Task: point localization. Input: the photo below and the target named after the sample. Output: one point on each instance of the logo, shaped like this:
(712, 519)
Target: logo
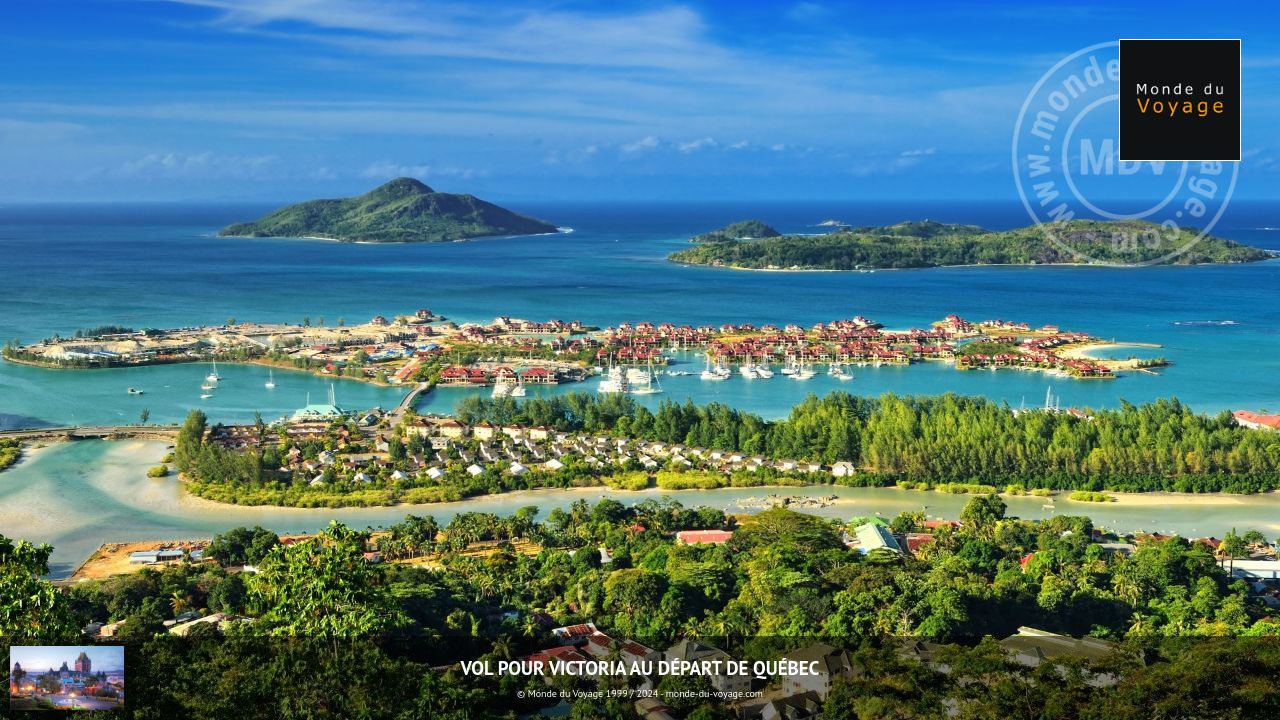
(1067, 167)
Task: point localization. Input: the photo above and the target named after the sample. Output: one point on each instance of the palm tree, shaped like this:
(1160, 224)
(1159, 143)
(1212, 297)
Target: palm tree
(179, 603)
(502, 647)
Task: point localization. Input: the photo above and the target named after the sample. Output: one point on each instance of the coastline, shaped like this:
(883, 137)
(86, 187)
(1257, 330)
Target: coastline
(1114, 266)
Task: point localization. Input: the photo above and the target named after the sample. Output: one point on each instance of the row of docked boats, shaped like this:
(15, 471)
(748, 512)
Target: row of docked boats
(753, 371)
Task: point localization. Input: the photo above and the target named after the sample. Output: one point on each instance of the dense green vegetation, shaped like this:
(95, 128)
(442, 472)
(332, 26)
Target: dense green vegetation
(1189, 639)
(1157, 446)
(932, 244)
(402, 210)
(949, 444)
(10, 451)
(744, 230)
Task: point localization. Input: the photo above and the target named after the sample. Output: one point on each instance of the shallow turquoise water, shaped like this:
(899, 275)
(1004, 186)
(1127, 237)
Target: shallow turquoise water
(79, 495)
(76, 267)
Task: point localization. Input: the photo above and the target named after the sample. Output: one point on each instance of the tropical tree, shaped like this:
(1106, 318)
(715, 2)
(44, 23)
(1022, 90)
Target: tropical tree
(323, 587)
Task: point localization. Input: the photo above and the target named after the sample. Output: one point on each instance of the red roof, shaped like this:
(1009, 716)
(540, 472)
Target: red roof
(934, 524)
(567, 653)
(702, 537)
(1271, 421)
(915, 541)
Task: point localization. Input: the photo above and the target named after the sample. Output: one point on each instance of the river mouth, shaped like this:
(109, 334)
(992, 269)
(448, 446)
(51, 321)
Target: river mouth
(78, 495)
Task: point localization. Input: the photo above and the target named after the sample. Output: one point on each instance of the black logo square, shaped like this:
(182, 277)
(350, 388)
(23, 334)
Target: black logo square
(1179, 100)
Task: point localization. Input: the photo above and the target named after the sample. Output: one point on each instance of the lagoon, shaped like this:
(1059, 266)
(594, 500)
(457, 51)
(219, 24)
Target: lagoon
(79, 495)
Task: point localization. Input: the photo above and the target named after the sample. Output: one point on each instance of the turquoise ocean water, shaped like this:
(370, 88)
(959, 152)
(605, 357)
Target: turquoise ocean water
(70, 267)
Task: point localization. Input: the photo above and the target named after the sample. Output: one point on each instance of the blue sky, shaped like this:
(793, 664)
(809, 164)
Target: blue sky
(40, 659)
(286, 99)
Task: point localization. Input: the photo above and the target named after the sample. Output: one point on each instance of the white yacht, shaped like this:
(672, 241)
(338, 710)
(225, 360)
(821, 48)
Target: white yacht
(501, 388)
(271, 380)
(615, 382)
(648, 386)
(213, 375)
(802, 372)
(636, 376)
(763, 372)
(719, 372)
(518, 390)
(837, 372)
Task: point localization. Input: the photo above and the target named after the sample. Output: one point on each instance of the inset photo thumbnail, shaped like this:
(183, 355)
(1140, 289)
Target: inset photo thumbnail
(66, 677)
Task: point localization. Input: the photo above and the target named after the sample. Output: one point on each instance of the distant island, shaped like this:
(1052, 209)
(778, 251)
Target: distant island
(923, 244)
(402, 210)
(744, 230)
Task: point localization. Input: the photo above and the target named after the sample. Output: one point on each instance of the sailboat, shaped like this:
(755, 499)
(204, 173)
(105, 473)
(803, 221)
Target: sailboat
(271, 380)
(717, 373)
(837, 372)
(213, 375)
(518, 390)
(647, 386)
(802, 372)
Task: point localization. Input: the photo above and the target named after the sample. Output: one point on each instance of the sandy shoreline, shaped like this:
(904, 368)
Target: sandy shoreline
(1152, 499)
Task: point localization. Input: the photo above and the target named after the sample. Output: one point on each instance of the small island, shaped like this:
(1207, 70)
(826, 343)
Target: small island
(403, 210)
(744, 230)
(927, 243)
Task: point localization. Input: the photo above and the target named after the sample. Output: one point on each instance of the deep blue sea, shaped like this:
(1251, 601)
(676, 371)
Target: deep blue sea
(70, 267)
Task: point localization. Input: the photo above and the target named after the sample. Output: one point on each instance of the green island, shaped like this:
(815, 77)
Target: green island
(927, 243)
(402, 210)
(495, 445)
(744, 230)
(983, 617)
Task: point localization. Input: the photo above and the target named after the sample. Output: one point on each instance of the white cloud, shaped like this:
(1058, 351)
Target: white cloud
(202, 165)
(26, 131)
(385, 170)
(918, 152)
(696, 145)
(644, 144)
(672, 37)
(740, 145)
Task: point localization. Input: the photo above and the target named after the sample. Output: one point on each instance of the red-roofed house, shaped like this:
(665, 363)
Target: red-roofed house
(1257, 421)
(915, 541)
(570, 634)
(703, 537)
(935, 524)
